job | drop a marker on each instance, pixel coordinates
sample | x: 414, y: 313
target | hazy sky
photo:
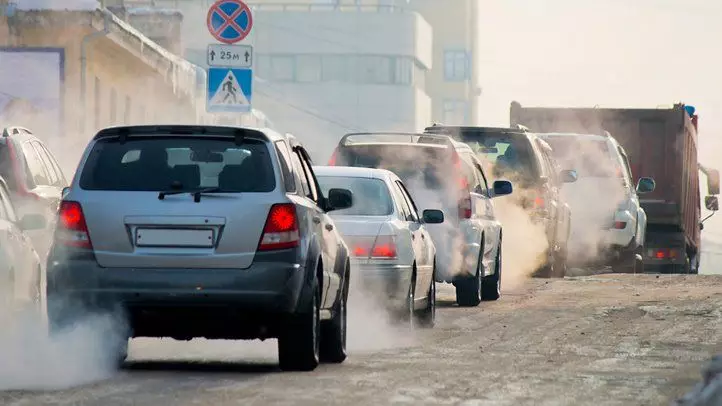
x: 612, y: 53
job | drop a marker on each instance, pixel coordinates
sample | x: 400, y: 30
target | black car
x: 524, y: 158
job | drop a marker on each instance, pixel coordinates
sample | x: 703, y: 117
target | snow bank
x: 57, y: 4
x: 709, y: 391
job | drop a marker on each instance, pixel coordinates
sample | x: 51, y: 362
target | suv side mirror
x: 32, y: 222
x: 568, y: 176
x: 645, y: 185
x: 339, y: 199
x: 502, y: 188
x: 711, y: 203
x: 65, y: 191
x: 432, y: 216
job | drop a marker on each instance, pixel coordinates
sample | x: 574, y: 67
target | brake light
x: 663, y: 253
x: 465, y: 200
x: 382, y: 247
x: 465, y: 206
x: 539, y: 202
x: 620, y: 225
x: 332, y: 160
x: 72, y: 230
x: 281, y: 228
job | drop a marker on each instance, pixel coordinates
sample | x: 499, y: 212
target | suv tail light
x: 465, y: 198
x: 281, y: 229
x: 332, y: 160
x: 72, y: 230
x: 382, y: 247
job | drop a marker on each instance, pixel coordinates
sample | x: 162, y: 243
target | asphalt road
x: 594, y: 340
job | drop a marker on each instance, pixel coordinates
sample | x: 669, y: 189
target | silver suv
x: 202, y: 231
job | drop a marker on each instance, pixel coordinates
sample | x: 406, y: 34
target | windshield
x: 178, y: 163
x: 507, y: 155
x: 589, y: 157
x: 370, y: 196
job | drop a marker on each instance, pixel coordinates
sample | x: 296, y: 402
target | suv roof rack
x: 398, y: 137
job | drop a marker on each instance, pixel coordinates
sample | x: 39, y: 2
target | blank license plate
x: 149, y: 237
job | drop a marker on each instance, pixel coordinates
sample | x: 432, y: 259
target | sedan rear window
x: 179, y: 163
x: 371, y: 197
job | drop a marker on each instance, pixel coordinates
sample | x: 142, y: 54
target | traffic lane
x: 603, y: 339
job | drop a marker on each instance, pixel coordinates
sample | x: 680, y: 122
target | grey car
x: 203, y: 231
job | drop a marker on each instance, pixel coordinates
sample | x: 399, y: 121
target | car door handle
x: 329, y: 227
x: 317, y: 220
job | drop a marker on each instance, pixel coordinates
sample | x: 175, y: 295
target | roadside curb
x: 709, y: 391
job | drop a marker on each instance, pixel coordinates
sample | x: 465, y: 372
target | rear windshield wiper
x: 196, y: 193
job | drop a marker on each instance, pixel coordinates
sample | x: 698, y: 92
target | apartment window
x: 334, y: 68
x: 308, y: 68
x: 455, y: 112
x: 456, y: 65
x: 404, y: 71
x: 374, y: 69
x: 282, y: 68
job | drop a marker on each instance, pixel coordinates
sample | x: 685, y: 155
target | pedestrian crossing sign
x: 229, y: 90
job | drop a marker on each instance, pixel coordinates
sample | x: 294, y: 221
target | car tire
x: 408, y: 313
x: 468, y: 289
x: 299, y: 342
x: 427, y: 317
x: 491, y: 285
x: 559, y: 267
x: 334, y: 331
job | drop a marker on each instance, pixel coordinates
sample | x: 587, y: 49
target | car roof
x: 16, y: 133
x: 353, y: 172
x: 269, y: 134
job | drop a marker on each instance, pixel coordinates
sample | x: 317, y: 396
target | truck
x: 661, y: 143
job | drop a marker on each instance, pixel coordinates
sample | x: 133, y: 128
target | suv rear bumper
x: 157, y: 300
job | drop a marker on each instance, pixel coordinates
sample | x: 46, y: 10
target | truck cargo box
x: 660, y: 143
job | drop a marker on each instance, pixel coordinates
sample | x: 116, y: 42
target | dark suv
x: 203, y: 231
x: 34, y: 179
x: 519, y: 155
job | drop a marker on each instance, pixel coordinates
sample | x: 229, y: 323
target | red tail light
x: 332, y: 160
x: 281, y: 229
x: 382, y: 247
x: 663, y: 253
x: 72, y: 231
x: 539, y: 202
x: 619, y: 225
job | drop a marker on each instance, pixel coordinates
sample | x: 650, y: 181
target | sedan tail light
x: 381, y: 247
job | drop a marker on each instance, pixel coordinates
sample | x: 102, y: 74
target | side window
x: 35, y: 165
x: 409, y: 201
x: 471, y: 176
x: 482, y: 178
x: 7, y: 209
x: 399, y: 195
x: 627, y: 169
x: 312, y: 185
x: 298, y: 169
x: 52, y: 175
x: 285, y: 159
x: 56, y: 166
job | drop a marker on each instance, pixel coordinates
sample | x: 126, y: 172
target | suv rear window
x: 178, y: 163
x: 408, y: 162
x: 6, y: 166
x: 505, y: 153
x: 370, y: 196
x: 589, y: 157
